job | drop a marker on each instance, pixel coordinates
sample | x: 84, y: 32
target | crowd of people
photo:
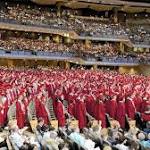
x: 109, y: 51
x: 91, y: 95
x: 24, y: 15
x: 22, y: 43
x: 139, y: 34
x: 48, y: 17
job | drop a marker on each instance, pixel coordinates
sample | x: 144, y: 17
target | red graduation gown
x: 60, y: 114
x: 42, y: 113
x: 92, y: 111
x: 145, y: 117
x: 20, y: 114
x: 100, y: 113
x: 144, y: 105
x: 81, y: 114
x: 137, y: 103
x: 71, y: 109
x: 37, y: 105
x: 120, y: 115
x: 111, y: 108
x: 89, y: 102
x: 130, y: 109
x: 2, y: 116
x: 6, y: 107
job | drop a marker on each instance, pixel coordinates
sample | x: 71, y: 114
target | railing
x: 67, y: 56
x: 82, y: 34
x: 12, y: 21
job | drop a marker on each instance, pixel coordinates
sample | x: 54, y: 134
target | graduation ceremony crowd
x: 90, y: 95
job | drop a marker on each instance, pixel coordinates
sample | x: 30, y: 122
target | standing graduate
x: 100, y: 111
x: 81, y: 112
x: 111, y: 106
x: 121, y: 112
x: 20, y: 112
x: 60, y: 113
x: 130, y: 108
x: 2, y: 113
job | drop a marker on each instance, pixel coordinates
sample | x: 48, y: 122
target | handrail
x: 87, y: 59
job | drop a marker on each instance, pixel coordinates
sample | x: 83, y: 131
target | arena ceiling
x: 99, y: 5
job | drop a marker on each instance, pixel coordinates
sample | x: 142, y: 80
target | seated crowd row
x: 18, y: 43
x: 104, y: 51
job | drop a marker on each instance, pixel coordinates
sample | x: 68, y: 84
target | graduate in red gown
x: 81, y: 112
x: 111, y: 106
x: 121, y: 112
x: 40, y: 105
x: 146, y: 115
x: 2, y: 113
x: 60, y: 113
x: 26, y: 101
x: 137, y: 99
x: 37, y: 104
x: 20, y: 112
x: 6, y: 106
x: 43, y: 112
x: 130, y: 108
x: 55, y: 97
x: 71, y: 108
x: 89, y: 101
x: 100, y: 112
x: 144, y: 104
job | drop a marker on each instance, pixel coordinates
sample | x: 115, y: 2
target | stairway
x: 65, y: 103
x: 52, y: 114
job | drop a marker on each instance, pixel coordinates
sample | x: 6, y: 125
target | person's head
x: 148, y: 136
x: 85, y: 131
x: 53, y: 135
x: 41, y: 121
x: 107, y: 148
x: 39, y: 95
x: 75, y: 130
x: 96, y: 128
x: 45, y: 128
x: 148, y: 125
x: 12, y: 123
x: 114, y: 97
x: 61, y: 146
x: 104, y: 132
x: 141, y: 136
x: 20, y: 97
x: 3, y: 99
x: 148, y: 107
x: 14, y: 128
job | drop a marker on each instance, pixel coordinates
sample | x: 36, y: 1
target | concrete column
x: 56, y: 38
x: 10, y: 63
x: 67, y: 65
x: 87, y: 43
x: 95, y: 67
x: 122, y: 49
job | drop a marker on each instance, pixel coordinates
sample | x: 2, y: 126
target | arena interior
x: 74, y: 74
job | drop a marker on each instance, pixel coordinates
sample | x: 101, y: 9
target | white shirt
x: 121, y: 147
x: 89, y: 144
x: 17, y: 139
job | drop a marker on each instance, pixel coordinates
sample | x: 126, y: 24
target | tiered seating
x: 48, y: 18
x: 48, y: 46
x: 139, y: 34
